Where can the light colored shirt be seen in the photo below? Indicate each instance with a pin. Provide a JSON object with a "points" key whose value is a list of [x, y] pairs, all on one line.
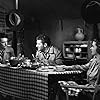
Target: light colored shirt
{"points": [[52, 56], [92, 69], [7, 53]]}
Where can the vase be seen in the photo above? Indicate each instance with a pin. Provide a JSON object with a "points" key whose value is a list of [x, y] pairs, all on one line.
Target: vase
{"points": [[79, 35]]}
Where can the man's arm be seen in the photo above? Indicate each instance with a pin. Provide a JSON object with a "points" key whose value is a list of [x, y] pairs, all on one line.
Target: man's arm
{"points": [[59, 58], [12, 52]]}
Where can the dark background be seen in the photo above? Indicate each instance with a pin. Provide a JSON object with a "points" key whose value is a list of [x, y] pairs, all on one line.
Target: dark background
{"points": [[56, 18]]}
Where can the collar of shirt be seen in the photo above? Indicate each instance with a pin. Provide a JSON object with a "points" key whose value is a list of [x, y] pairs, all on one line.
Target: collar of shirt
{"points": [[49, 50], [97, 56]]}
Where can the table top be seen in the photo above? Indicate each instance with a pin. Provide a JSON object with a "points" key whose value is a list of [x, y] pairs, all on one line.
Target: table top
{"points": [[26, 83]]}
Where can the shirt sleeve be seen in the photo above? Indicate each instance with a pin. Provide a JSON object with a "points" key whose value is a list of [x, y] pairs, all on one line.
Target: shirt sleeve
{"points": [[59, 58], [82, 67], [12, 52], [37, 56]]}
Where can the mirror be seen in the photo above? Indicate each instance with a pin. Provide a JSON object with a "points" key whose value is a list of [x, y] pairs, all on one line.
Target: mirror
{"points": [[14, 20]]}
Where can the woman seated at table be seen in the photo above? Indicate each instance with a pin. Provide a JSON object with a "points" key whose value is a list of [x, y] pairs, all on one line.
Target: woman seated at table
{"points": [[92, 68], [46, 53]]}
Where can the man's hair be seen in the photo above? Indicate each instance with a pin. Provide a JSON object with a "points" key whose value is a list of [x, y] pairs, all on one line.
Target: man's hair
{"points": [[98, 45], [4, 39], [44, 38]]}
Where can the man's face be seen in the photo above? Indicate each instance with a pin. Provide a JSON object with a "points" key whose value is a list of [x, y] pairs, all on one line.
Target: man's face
{"points": [[4, 42], [93, 48], [39, 45]]}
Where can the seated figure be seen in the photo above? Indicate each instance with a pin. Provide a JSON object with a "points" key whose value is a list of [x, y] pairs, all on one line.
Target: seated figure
{"points": [[46, 53], [6, 51], [92, 68]]}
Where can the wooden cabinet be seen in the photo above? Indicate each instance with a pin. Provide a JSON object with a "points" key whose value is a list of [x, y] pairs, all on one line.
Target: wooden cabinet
{"points": [[76, 50]]}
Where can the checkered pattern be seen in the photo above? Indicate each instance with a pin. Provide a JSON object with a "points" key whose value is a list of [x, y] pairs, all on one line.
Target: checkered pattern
{"points": [[28, 84], [24, 84]]}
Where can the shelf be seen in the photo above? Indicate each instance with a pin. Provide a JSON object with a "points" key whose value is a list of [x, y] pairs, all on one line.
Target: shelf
{"points": [[76, 50], [81, 58], [80, 52]]}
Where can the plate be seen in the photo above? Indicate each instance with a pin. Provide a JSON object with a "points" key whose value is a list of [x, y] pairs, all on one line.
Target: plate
{"points": [[45, 69], [3, 65], [15, 67], [42, 70]]}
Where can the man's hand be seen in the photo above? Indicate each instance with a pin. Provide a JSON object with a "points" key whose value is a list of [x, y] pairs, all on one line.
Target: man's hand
{"points": [[0, 58]]}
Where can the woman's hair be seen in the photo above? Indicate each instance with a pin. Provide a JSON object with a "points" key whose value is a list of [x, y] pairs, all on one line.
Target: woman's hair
{"points": [[44, 38], [98, 45]]}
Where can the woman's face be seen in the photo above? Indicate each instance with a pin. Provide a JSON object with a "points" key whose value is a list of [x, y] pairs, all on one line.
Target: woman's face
{"points": [[93, 48]]}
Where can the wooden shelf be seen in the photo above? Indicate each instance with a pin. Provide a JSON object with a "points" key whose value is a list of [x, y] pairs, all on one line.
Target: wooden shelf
{"points": [[75, 50]]}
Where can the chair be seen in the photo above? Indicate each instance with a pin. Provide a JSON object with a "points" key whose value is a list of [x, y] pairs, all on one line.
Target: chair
{"points": [[96, 89], [96, 95], [66, 87]]}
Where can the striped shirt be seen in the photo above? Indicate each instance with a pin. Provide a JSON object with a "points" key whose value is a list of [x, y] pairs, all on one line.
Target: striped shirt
{"points": [[92, 69]]}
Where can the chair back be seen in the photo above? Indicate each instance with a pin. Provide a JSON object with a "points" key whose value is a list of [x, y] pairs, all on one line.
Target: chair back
{"points": [[96, 95]]}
